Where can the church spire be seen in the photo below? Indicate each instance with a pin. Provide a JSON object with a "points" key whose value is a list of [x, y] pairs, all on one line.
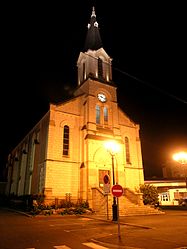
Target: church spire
{"points": [[93, 39], [94, 62]]}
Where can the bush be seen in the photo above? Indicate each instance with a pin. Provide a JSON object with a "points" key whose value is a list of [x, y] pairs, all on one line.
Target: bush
{"points": [[65, 207], [150, 194]]}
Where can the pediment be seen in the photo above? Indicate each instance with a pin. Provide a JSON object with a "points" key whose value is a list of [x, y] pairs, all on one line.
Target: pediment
{"points": [[124, 119]]}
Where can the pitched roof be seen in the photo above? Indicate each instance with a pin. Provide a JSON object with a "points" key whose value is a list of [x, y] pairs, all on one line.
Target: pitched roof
{"points": [[93, 39]]}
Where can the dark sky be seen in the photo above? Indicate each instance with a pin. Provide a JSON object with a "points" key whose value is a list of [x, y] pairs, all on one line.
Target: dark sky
{"points": [[40, 45]]}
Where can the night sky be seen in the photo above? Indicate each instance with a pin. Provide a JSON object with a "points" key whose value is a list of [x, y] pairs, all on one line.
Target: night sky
{"points": [[147, 42]]}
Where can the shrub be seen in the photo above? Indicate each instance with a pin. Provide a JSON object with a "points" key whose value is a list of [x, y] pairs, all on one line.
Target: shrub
{"points": [[65, 207], [150, 194]]}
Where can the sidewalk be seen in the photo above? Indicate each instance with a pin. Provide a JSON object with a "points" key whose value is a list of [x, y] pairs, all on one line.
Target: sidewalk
{"points": [[163, 231]]}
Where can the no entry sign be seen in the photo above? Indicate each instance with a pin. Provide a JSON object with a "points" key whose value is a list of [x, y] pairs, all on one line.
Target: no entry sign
{"points": [[106, 179], [117, 190]]}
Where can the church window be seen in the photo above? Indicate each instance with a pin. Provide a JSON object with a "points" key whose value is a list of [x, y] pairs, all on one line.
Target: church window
{"points": [[98, 114], [105, 115], [100, 68], [84, 71], [66, 141], [127, 150]]}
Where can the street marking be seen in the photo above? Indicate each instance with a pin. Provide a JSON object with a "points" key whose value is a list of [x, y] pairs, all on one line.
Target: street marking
{"points": [[62, 247], [85, 219], [88, 244], [95, 246], [73, 230], [183, 247]]}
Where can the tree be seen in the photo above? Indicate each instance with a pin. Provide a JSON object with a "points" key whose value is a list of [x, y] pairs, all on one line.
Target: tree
{"points": [[150, 194]]}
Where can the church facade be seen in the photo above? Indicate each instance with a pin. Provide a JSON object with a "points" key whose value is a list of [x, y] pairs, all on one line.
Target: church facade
{"points": [[65, 153]]}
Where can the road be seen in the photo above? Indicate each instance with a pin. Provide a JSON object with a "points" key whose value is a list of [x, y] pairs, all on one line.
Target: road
{"points": [[21, 232], [167, 231]]}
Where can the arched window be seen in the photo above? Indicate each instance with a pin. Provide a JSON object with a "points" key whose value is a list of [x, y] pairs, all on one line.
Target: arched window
{"points": [[105, 115], [84, 71], [66, 141], [127, 149], [100, 68], [98, 114]]}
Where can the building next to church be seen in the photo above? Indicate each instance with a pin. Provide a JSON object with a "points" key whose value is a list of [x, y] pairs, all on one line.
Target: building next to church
{"points": [[64, 154], [172, 188]]}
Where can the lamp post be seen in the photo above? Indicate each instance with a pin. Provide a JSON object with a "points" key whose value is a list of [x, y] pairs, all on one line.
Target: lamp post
{"points": [[112, 147], [181, 157]]}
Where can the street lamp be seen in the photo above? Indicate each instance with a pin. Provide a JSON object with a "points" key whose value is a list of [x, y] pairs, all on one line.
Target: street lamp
{"points": [[181, 157], [113, 148]]}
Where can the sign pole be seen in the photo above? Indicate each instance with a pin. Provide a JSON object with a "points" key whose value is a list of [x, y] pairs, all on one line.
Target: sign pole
{"points": [[107, 207], [106, 189], [117, 191], [119, 234]]}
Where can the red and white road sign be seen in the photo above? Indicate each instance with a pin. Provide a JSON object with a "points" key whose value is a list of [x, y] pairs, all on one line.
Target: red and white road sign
{"points": [[106, 185], [117, 190], [106, 179]]}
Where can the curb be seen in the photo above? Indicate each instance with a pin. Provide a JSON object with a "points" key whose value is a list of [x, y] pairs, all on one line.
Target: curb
{"points": [[122, 223], [18, 211], [114, 245]]}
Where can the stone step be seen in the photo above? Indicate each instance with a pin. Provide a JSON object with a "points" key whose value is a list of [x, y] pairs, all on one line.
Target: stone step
{"points": [[135, 210], [127, 206]]}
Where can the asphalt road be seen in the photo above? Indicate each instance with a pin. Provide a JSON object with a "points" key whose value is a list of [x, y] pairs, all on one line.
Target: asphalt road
{"points": [[165, 231]]}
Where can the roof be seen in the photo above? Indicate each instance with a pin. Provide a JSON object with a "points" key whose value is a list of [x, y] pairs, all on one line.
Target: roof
{"points": [[93, 39]]}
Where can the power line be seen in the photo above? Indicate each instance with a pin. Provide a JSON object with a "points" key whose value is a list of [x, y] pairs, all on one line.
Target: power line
{"points": [[151, 86], [144, 82]]}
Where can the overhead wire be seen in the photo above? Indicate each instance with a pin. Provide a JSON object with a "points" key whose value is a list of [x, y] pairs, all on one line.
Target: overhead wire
{"points": [[145, 83], [152, 86]]}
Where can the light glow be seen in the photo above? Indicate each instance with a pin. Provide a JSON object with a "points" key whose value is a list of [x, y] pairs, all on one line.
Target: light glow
{"points": [[112, 147], [180, 157]]}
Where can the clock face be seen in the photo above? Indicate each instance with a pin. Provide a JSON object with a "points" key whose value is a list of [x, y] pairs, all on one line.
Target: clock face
{"points": [[101, 97]]}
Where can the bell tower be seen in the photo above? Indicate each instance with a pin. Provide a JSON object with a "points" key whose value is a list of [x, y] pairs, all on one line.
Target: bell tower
{"points": [[94, 62]]}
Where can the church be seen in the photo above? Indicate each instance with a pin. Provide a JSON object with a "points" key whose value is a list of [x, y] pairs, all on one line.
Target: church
{"points": [[82, 146]]}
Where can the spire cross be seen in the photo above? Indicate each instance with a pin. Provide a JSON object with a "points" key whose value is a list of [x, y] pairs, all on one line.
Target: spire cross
{"points": [[93, 11]]}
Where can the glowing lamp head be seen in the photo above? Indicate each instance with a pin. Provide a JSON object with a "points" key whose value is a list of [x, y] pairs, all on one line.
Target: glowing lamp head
{"points": [[112, 147], [180, 157]]}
